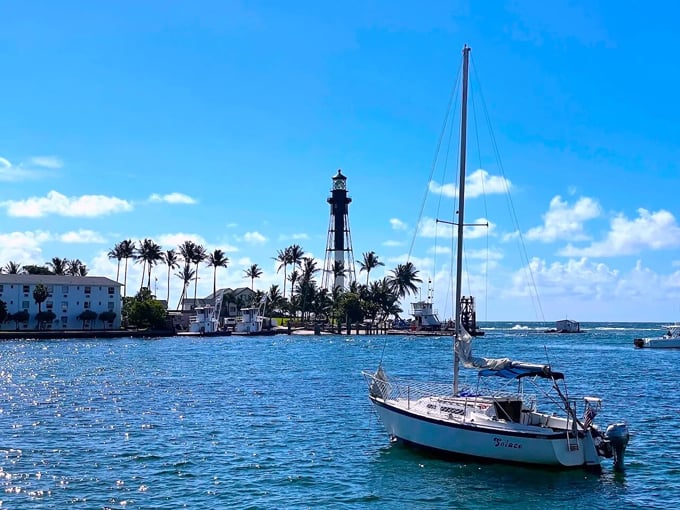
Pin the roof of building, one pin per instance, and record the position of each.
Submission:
(54, 279)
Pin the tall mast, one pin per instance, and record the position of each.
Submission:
(461, 213)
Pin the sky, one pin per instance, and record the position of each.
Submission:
(222, 122)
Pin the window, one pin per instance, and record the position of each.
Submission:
(49, 305)
(86, 305)
(64, 289)
(1, 289)
(88, 290)
(25, 304)
(111, 290)
(111, 305)
(64, 306)
(50, 290)
(26, 288)
(64, 321)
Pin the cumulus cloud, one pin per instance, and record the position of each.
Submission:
(12, 173)
(476, 184)
(23, 247)
(391, 243)
(82, 236)
(397, 224)
(563, 221)
(61, 205)
(171, 241)
(51, 162)
(172, 198)
(293, 237)
(655, 231)
(254, 238)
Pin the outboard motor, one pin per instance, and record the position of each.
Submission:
(618, 436)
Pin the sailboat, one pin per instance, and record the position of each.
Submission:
(474, 421)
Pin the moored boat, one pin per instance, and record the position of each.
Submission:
(670, 339)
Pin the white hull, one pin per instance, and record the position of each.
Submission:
(658, 343)
(477, 436)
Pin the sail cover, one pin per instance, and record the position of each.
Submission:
(501, 367)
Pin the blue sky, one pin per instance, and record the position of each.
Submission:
(223, 122)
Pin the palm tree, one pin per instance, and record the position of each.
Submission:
(40, 295)
(338, 269)
(12, 267)
(150, 254)
(199, 256)
(283, 258)
(253, 272)
(403, 280)
(59, 266)
(127, 248)
(296, 254)
(116, 253)
(217, 259)
(370, 262)
(76, 268)
(186, 275)
(172, 261)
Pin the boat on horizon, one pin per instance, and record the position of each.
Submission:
(669, 340)
(488, 420)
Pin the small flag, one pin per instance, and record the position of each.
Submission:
(589, 416)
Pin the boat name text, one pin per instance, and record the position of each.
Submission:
(504, 443)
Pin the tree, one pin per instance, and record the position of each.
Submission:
(199, 256)
(403, 280)
(106, 317)
(253, 272)
(296, 254)
(127, 248)
(76, 268)
(3, 311)
(58, 265)
(283, 258)
(17, 317)
(144, 311)
(117, 254)
(149, 253)
(369, 262)
(186, 275)
(172, 261)
(40, 295)
(87, 316)
(349, 307)
(217, 259)
(43, 318)
(12, 267)
(34, 269)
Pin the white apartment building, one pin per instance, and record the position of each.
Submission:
(68, 297)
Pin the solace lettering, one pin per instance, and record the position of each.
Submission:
(504, 443)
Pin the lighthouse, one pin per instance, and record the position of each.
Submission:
(339, 264)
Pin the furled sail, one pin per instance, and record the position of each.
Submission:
(463, 348)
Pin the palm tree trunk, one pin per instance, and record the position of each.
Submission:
(125, 279)
(195, 285)
(168, 300)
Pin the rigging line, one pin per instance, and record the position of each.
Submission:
(485, 203)
(452, 96)
(523, 253)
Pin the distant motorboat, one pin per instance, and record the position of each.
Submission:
(204, 322)
(253, 321)
(670, 340)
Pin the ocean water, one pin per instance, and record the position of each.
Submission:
(284, 422)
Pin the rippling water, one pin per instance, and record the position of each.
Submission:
(284, 422)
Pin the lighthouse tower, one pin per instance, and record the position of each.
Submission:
(339, 264)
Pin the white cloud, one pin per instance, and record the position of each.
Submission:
(294, 237)
(564, 222)
(172, 241)
(61, 205)
(397, 224)
(476, 184)
(254, 238)
(82, 236)
(653, 231)
(23, 247)
(172, 198)
(11, 173)
(391, 243)
(51, 162)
